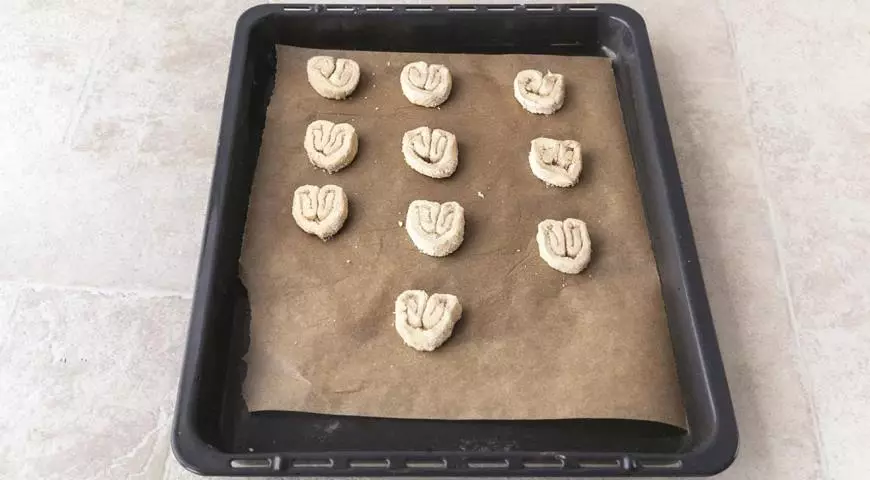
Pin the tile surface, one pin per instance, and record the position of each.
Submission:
(110, 128)
(110, 113)
(810, 111)
(89, 381)
(8, 299)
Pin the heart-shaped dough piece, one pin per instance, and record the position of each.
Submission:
(425, 322)
(320, 211)
(564, 245)
(426, 85)
(539, 93)
(331, 77)
(330, 146)
(556, 162)
(437, 229)
(431, 152)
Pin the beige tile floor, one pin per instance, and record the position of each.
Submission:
(108, 118)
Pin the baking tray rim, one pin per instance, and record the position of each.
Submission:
(714, 454)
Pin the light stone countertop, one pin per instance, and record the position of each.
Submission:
(108, 123)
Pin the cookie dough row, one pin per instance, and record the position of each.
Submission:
(333, 146)
(435, 153)
(429, 85)
(438, 229)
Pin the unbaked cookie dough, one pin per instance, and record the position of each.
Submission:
(426, 85)
(330, 146)
(539, 93)
(556, 162)
(425, 322)
(331, 77)
(564, 245)
(431, 152)
(320, 211)
(437, 229)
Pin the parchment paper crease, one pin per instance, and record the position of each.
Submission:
(533, 343)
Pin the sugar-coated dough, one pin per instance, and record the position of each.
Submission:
(539, 93)
(431, 152)
(556, 162)
(425, 322)
(426, 85)
(331, 77)
(564, 245)
(437, 229)
(320, 211)
(330, 146)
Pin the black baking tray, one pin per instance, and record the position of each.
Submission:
(215, 434)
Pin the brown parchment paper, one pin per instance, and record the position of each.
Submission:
(532, 343)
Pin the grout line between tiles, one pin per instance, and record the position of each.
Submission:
(139, 292)
(803, 372)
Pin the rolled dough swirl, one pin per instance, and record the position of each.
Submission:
(539, 93)
(564, 245)
(330, 146)
(426, 85)
(425, 322)
(431, 152)
(437, 229)
(556, 162)
(320, 211)
(331, 77)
